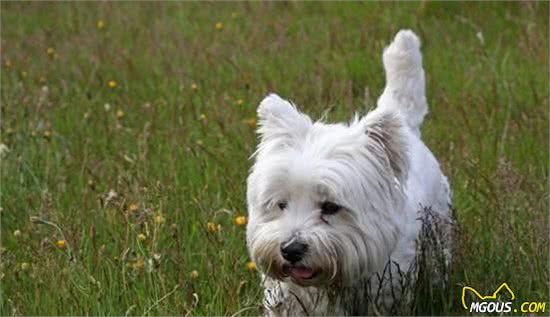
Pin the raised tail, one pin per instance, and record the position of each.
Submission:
(405, 90)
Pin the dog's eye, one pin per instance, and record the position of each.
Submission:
(281, 205)
(329, 208)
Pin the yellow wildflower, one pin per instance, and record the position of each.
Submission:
(159, 219)
(139, 264)
(50, 51)
(199, 142)
(251, 266)
(250, 122)
(141, 237)
(202, 117)
(194, 274)
(133, 207)
(112, 83)
(17, 233)
(240, 102)
(60, 244)
(25, 266)
(194, 86)
(219, 26)
(210, 227)
(120, 114)
(24, 74)
(100, 24)
(240, 221)
(47, 134)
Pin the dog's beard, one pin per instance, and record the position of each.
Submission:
(339, 253)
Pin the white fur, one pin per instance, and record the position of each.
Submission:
(376, 167)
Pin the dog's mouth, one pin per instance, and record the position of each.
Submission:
(300, 273)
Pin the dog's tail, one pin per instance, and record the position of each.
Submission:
(405, 90)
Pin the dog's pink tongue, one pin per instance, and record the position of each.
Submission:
(301, 272)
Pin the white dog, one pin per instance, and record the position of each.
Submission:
(333, 205)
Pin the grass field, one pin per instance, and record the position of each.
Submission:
(127, 128)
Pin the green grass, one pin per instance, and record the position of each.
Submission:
(184, 152)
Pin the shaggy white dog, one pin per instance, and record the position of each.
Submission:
(335, 209)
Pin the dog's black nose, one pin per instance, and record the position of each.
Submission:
(293, 251)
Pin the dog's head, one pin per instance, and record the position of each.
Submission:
(324, 199)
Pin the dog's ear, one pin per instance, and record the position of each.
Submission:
(386, 139)
(280, 120)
